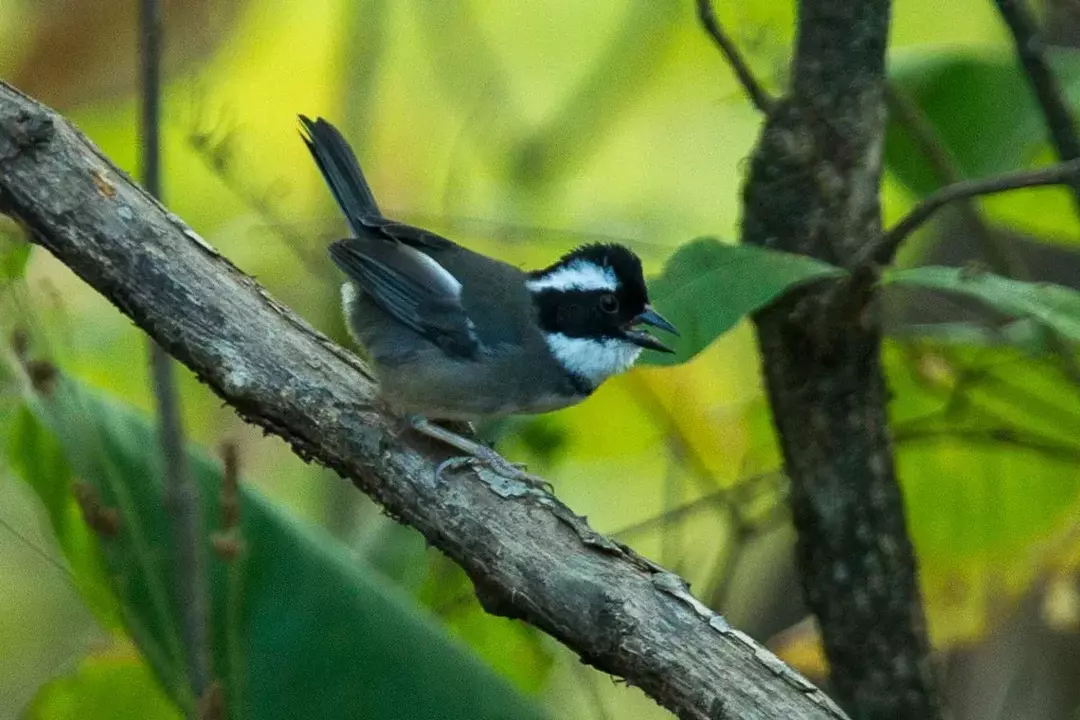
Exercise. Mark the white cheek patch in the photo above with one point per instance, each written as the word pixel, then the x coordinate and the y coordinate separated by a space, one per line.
pixel 594 360
pixel 580 275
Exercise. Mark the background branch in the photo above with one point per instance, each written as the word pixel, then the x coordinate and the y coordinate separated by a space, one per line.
pixel 761 99
pixel 813 189
pixel 181 495
pixel 883 250
pixel 1030 49
pixel 528 555
pixel 1003 257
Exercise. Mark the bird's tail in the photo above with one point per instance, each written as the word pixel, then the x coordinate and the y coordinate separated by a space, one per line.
pixel 339 166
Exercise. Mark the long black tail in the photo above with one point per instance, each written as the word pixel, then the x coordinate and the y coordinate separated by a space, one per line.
pixel 339 166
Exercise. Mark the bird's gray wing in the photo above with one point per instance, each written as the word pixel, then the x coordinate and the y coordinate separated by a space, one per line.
pixel 412 287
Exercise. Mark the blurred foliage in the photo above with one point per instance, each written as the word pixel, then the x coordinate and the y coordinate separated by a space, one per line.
pixel 103 683
pixel 289 609
pixel 1055 307
pixel 522 130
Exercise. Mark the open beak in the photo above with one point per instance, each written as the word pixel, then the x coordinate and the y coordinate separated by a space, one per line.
pixel 654 319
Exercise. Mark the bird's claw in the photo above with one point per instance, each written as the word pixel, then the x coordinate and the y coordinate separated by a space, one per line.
pixel 501 467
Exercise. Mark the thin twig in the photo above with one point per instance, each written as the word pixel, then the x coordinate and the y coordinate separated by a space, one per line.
pixel 1002 257
pixel 723 498
pixel 883 251
pixel 1030 48
pixel 181 496
pixel 989 436
pixel 762 100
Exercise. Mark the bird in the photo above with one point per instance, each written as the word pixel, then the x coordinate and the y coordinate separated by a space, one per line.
pixel 454 335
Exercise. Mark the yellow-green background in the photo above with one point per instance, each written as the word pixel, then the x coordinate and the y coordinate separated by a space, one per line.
pixel 518 129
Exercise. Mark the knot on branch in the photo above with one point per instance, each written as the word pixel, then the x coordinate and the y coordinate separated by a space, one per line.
pixel 24 129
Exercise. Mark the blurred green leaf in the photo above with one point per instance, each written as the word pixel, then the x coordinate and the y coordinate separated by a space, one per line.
pixel 957 90
pixel 518 648
pixel 1026 333
pixel 987 457
pixel 707 287
pixel 13 260
pixel 1055 305
pixel 109 686
pixel 33 453
pixel 292 611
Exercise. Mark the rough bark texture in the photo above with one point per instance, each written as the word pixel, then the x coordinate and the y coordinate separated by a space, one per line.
pixel 813 189
pixel 528 555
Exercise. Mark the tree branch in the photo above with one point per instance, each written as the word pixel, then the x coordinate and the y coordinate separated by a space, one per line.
pixel 1029 48
pixel 761 99
pixel 882 251
pixel 813 189
pixel 528 555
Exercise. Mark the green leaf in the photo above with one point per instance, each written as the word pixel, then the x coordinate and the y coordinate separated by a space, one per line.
pixel 960 90
pixel 989 512
pixel 707 287
pixel 13 259
pixel 34 453
pixel 1026 333
pixel 104 687
pixel 293 611
pixel 1056 306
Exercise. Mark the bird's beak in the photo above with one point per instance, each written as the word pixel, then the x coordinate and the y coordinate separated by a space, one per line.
pixel 654 319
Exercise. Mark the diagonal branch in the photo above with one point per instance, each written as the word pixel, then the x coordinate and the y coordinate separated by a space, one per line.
pixel 761 99
pixel 529 556
pixel 1030 49
pixel 882 251
pixel 1003 258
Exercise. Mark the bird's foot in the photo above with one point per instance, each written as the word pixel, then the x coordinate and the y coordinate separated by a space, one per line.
pixel 476 454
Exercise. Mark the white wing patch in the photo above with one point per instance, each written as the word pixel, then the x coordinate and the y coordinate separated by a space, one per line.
pixel 595 360
pixel 441 275
pixel 349 296
pixel 578 275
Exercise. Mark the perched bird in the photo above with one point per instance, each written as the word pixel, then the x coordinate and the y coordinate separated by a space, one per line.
pixel 456 335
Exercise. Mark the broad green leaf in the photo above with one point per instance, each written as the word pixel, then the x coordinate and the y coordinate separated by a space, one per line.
pixel 958 90
pixel 294 612
pixel 707 287
pixel 982 119
pixel 106 686
pixel 1055 305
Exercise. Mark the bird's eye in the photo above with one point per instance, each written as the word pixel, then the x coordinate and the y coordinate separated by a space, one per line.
pixel 609 304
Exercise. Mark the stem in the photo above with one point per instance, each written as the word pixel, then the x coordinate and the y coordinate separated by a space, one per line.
pixel 181 496
pixel 761 99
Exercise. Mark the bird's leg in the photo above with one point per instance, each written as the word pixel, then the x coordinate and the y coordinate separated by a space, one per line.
pixel 475 452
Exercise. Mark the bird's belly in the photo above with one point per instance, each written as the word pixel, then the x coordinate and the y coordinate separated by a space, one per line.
pixel 418 377
pixel 465 390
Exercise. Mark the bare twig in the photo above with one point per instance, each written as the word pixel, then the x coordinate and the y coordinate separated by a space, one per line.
pixel 1003 258
pixel 1060 122
pixel 882 251
pixel 181 496
pixel 762 100
pixel 725 498
pixel 995 436
pixel 529 556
